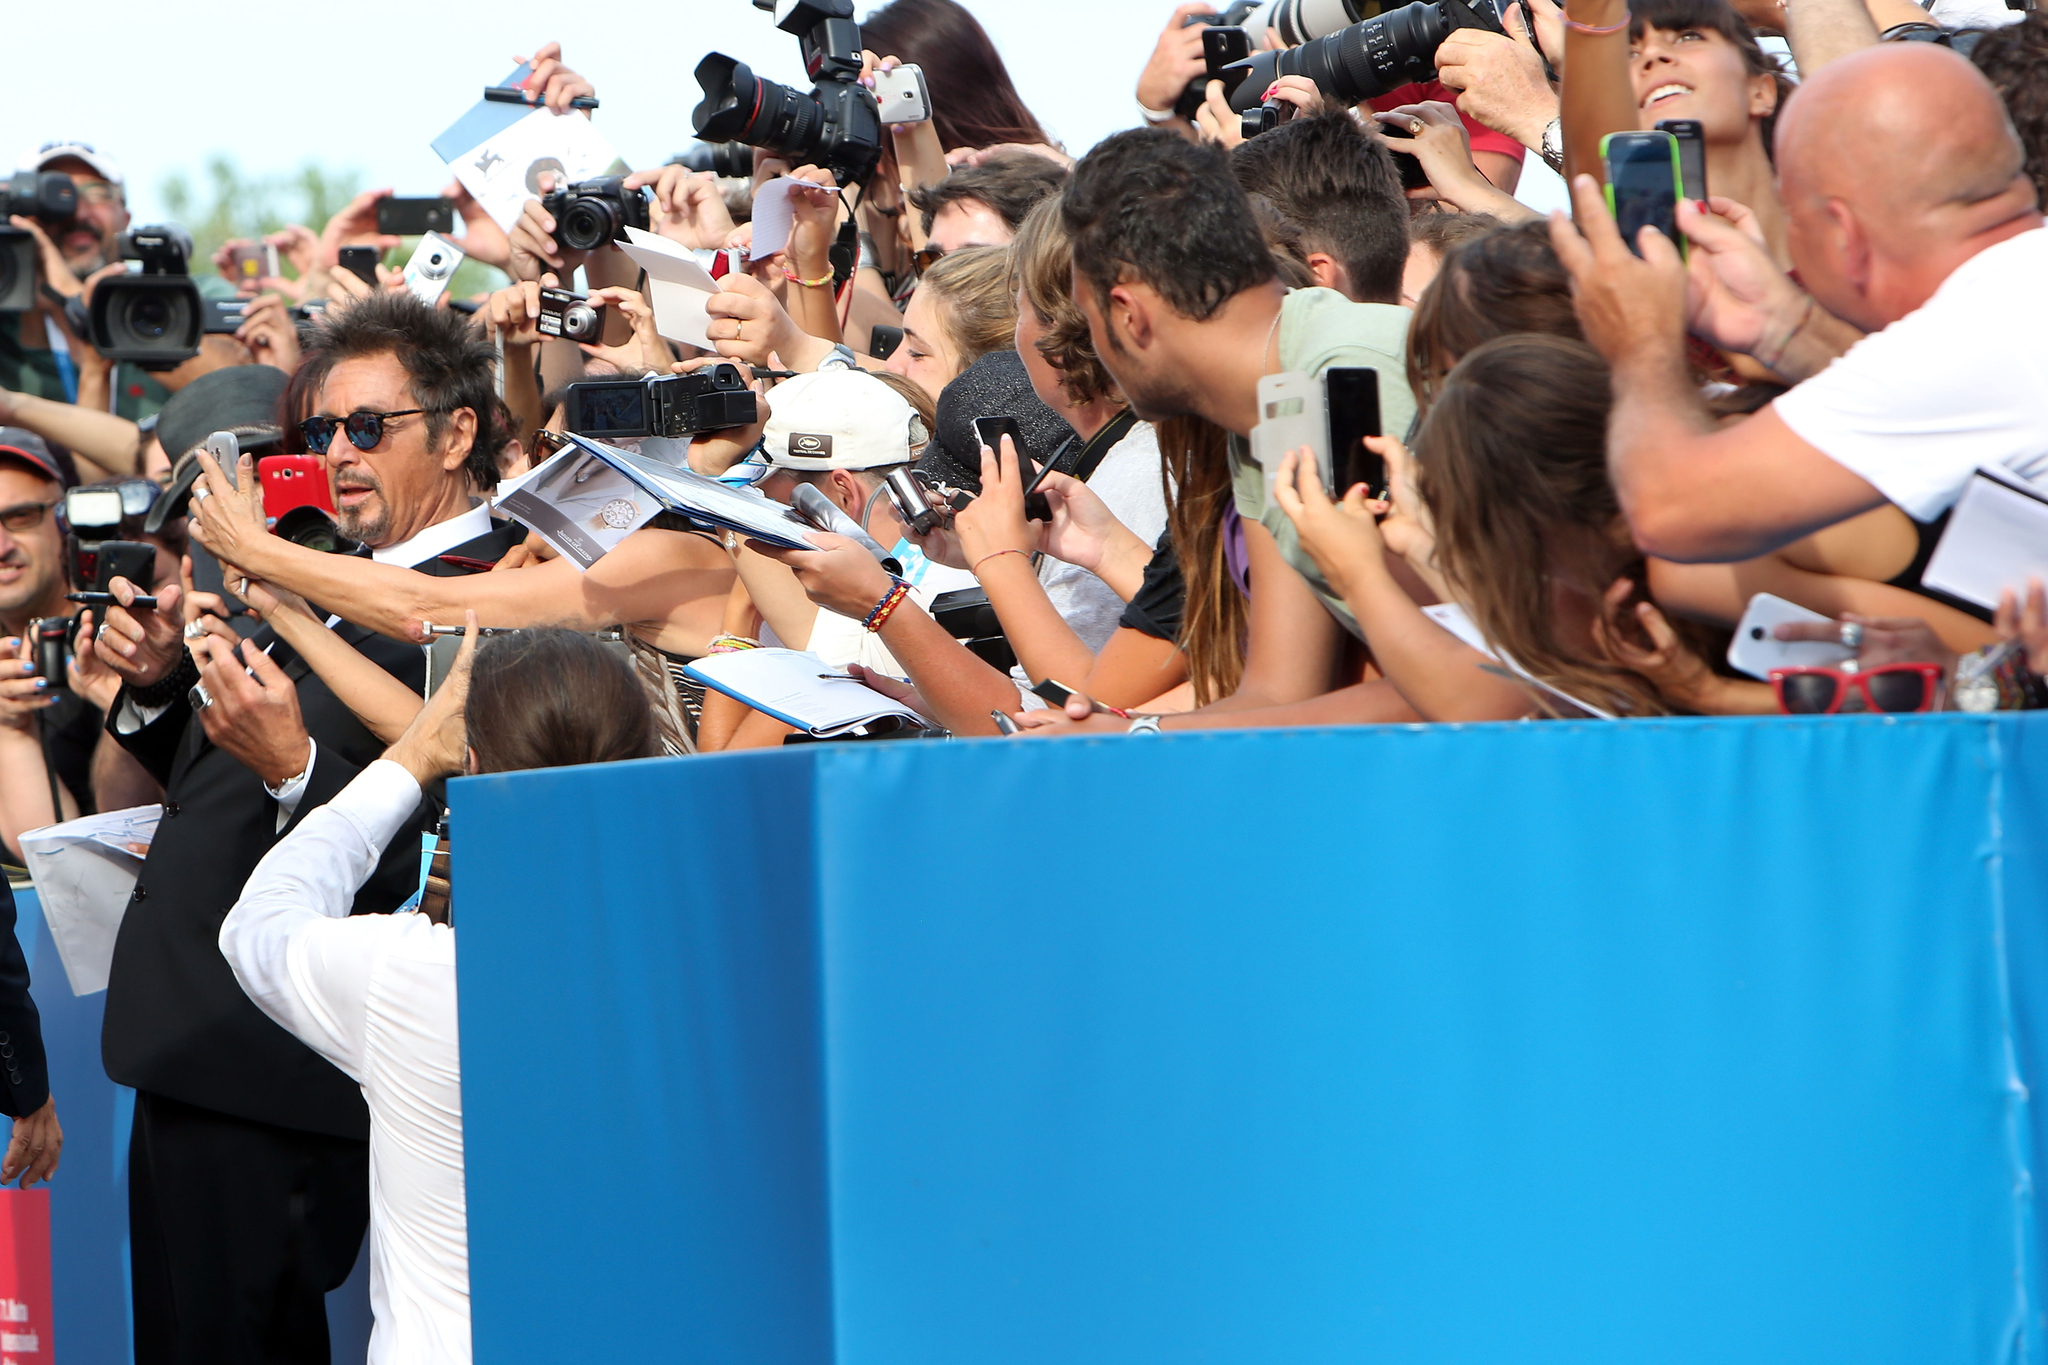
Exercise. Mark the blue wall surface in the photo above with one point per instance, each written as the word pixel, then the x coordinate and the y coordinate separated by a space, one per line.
pixel 1685 1041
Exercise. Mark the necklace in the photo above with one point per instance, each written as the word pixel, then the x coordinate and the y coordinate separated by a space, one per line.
pixel 1270 333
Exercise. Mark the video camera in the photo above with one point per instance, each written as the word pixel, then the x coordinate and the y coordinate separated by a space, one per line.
pixel 155 318
pixel 592 212
pixel 837 126
pixel 668 405
pixel 1361 60
pixel 50 197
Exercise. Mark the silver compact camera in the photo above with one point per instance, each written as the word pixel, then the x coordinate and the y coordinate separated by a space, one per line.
pixel 432 266
pixel 565 313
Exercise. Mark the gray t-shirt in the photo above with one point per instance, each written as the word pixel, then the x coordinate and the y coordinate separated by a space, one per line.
pixel 1320 328
pixel 1128 483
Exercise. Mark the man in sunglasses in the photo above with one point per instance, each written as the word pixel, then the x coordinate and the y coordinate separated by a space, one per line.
pixel 248 1163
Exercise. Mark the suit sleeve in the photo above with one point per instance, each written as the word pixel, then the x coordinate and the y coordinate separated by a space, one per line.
pixel 24 1070
pixel 155 745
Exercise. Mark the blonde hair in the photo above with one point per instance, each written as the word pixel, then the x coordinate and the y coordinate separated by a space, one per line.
pixel 975 304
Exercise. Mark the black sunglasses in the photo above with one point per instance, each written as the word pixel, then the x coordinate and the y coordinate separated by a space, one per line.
pixel 365 429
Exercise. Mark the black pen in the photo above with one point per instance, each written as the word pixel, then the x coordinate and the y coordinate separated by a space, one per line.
pixel 512 94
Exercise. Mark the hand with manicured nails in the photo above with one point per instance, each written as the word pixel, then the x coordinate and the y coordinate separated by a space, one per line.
pixel 23 691
pixel 139 644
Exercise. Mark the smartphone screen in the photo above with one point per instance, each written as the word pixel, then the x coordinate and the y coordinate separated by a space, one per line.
pixel 1352 396
pixel 361 261
pixel 415 217
pixel 990 431
pixel 1642 184
pixel 1692 155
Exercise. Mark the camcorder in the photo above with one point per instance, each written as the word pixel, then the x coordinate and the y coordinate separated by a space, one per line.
pixel 1362 60
pixel 838 125
pixel 154 318
pixel 567 314
pixel 50 197
pixel 668 405
pixel 592 212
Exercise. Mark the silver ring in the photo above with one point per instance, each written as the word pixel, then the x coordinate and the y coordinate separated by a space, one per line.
pixel 195 629
pixel 97 634
pixel 1851 635
pixel 201 493
pixel 199 696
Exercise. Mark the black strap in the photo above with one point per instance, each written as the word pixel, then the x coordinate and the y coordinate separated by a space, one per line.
pixel 1099 445
pixel 49 767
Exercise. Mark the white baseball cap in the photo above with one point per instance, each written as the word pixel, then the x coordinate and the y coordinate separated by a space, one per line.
pixel 42 156
pixel 840 419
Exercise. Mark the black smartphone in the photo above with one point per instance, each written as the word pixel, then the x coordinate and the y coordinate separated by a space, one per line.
pixel 1643 185
pixel 1413 177
pixel 1351 394
pixel 1692 155
pixel 415 217
pixel 1223 45
pixel 883 340
pixel 990 432
pixel 133 560
pixel 361 262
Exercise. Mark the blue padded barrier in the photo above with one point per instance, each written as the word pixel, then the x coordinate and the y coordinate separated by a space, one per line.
pixel 1686 1041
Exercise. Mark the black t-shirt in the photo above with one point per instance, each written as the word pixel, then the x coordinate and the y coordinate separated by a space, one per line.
pixel 1162 597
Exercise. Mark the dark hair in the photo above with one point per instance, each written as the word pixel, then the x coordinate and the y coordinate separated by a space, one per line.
pixel 1716 16
pixel 1149 205
pixel 1194 466
pixel 448 367
pixel 1504 281
pixel 1339 187
pixel 301 395
pixel 1512 465
pixel 552 698
pixel 2015 60
pixel 1042 272
pixel 974 102
pixel 1012 184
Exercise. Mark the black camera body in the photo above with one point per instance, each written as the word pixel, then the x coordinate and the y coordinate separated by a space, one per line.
pixel 1365 60
pixel 567 314
pixel 315 529
pixel 592 212
pixel 154 318
pixel 50 197
pixel 1264 118
pixel 837 126
pixel 669 405
pixel 1198 89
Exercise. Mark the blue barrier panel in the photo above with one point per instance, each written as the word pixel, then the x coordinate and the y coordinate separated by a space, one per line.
pixel 1686 1041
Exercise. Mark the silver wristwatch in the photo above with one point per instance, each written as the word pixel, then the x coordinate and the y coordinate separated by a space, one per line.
pixel 1552 150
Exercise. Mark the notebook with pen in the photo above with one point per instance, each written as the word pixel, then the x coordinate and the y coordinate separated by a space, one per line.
pixel 798 689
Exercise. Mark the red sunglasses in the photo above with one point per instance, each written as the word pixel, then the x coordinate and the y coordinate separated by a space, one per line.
pixel 1887 687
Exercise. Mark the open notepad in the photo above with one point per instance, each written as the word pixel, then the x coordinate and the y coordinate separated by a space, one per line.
pixel 797 689
pixel 85 872
pixel 1996 537
pixel 553 500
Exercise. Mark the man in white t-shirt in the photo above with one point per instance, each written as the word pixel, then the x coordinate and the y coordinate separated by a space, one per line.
pixel 1923 232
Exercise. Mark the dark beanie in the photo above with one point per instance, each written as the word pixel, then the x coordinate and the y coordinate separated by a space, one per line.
pixel 993 386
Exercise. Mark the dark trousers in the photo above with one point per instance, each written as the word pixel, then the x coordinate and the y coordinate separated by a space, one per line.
pixel 237 1231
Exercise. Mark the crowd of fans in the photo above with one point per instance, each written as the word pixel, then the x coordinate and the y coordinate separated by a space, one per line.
pixel 1597 453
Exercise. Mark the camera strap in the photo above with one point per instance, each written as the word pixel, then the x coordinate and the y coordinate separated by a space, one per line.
pixel 49 766
pixel 1098 446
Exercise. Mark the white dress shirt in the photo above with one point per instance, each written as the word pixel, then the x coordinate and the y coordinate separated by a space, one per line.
pixel 375 995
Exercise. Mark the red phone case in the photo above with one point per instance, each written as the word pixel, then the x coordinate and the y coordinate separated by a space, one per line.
pixel 290 481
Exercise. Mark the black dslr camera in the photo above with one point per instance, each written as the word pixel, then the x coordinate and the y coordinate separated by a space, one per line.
pixel 568 314
pixel 592 212
pixel 671 405
pixel 154 318
pixel 1365 60
pixel 837 126
pixel 50 197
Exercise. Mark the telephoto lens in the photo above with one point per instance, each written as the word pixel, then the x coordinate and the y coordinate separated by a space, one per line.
pixel 1299 21
pixel 739 106
pixel 1365 60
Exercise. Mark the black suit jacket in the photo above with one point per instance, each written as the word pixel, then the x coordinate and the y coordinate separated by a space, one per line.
pixel 26 1082
pixel 177 1023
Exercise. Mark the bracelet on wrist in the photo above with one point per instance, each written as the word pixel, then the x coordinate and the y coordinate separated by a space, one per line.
pixel 800 281
pixel 1594 30
pixel 731 644
pixel 884 609
pixel 170 686
pixel 975 567
pixel 1154 115
pixel 1144 725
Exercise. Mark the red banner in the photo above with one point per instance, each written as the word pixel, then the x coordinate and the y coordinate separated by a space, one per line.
pixel 25 1278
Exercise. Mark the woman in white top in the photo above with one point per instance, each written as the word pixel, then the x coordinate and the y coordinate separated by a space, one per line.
pixel 375 994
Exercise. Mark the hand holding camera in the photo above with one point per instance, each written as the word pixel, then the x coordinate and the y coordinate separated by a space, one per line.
pixel 355 225
pixel 1342 537
pixel 1500 78
pixel 1176 58
pixel 644 349
pixel 23 689
pixel 1432 136
pixel 270 334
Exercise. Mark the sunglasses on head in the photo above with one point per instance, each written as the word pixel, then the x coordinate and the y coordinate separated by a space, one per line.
pixel 1887 687
pixel 365 429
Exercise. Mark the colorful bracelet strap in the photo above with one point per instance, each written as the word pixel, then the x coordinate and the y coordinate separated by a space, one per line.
pixel 731 644
pixel 885 608
pixel 795 278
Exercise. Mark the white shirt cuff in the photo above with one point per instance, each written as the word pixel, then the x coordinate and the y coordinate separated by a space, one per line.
pixel 130 717
pixel 287 795
pixel 378 803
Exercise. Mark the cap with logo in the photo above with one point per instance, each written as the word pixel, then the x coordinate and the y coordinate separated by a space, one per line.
pixel 42 156
pixel 840 419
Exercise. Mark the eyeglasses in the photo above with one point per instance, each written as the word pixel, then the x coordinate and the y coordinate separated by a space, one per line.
pixel 365 429
pixel 97 192
pixel 925 257
pixel 25 516
pixel 1887 687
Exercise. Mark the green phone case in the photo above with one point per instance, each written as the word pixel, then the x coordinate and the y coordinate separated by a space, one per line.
pixel 1677 181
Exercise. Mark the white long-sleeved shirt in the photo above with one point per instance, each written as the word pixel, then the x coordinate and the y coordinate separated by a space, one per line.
pixel 375 995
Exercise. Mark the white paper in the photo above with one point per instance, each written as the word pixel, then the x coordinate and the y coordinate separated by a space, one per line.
pixel 677 287
pixel 796 688
pixel 580 505
pixel 772 217
pixel 1996 537
pixel 85 872
pixel 690 493
pixel 503 171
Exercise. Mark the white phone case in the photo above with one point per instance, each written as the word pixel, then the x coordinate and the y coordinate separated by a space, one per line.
pixel 1756 651
pixel 1292 414
pixel 902 95
pixel 432 266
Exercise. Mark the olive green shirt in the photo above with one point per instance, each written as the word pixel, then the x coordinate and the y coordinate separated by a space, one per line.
pixel 1320 328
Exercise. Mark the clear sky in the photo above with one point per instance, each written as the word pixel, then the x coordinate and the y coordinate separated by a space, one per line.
pixel 366 88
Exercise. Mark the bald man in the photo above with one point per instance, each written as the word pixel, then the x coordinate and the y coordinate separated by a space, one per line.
pixel 1911 218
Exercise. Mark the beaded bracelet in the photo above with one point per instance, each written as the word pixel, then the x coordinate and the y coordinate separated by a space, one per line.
pixel 795 278
pixel 731 644
pixel 883 609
